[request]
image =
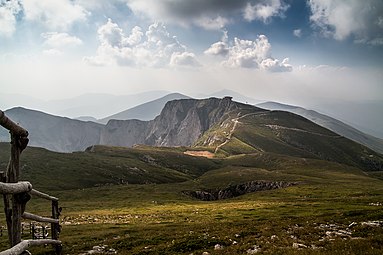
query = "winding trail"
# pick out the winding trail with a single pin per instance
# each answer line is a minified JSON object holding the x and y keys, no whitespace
{"x":235,"y":121}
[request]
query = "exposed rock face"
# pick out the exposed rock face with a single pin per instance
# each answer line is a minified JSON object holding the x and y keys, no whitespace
{"x":237,"y":190}
{"x":180,"y":123}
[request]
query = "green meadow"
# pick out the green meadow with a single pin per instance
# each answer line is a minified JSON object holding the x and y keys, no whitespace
{"x":334,"y":208}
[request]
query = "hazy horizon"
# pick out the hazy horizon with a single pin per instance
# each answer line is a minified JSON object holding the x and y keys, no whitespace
{"x":305,"y":53}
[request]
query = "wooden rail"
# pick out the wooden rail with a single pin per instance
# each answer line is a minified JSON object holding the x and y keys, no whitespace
{"x":16,"y":195}
{"x":25,"y":244}
{"x":43,"y":195}
{"x":15,"y":188}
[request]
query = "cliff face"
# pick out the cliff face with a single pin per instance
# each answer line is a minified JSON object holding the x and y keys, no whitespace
{"x":180,"y":123}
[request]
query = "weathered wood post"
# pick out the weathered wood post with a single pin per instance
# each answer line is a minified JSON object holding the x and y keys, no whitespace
{"x":14,"y":205}
{"x":55,"y":227}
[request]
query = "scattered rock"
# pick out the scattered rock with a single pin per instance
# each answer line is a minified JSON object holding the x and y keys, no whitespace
{"x":376,"y":223}
{"x":218,"y":247}
{"x":100,"y":249}
{"x":273,"y":237}
{"x":253,"y":250}
{"x":299,"y":246}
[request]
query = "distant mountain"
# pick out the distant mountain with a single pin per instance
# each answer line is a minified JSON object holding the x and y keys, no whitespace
{"x":146,"y":111}
{"x":221,"y":127}
{"x":84,"y":105}
{"x":53,"y":132}
{"x":365,"y":115}
{"x":329,"y":123}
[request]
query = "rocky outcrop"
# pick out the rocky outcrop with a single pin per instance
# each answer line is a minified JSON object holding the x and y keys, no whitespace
{"x":237,"y":190}
{"x":180,"y":123}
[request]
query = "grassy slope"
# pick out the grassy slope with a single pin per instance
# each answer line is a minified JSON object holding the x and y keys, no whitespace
{"x":104,"y":166}
{"x":289,"y":134}
{"x":157,"y":218}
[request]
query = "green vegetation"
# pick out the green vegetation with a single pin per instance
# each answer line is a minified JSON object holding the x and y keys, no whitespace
{"x":131,"y":200}
{"x":313,"y":217}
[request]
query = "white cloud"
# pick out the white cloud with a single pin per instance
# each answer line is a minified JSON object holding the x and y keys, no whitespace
{"x":249,"y":54}
{"x":8,"y":10}
{"x":297,"y":32}
{"x":343,"y":19}
{"x":265,"y":10}
{"x":274,"y":65}
{"x":218,"y":49}
{"x":183,"y":59}
{"x":55,"y":15}
{"x":156,"y":49}
{"x":60,"y":40}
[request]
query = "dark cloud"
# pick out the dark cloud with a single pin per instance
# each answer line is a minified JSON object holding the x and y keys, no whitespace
{"x":205,"y":13}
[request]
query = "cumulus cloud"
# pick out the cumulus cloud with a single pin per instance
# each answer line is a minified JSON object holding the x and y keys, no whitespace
{"x":8,"y":10}
{"x":361,"y":20}
{"x":208,"y":14}
{"x":55,"y":15}
{"x":264,"y":10}
{"x":154,"y":48}
{"x":183,"y":59}
{"x":249,"y":54}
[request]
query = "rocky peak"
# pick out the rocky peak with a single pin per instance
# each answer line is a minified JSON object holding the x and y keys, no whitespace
{"x":182,"y":122}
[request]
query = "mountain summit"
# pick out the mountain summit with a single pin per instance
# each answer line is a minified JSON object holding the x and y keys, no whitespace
{"x":221,"y":127}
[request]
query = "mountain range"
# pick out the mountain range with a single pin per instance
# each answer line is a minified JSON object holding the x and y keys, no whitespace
{"x":217,"y":127}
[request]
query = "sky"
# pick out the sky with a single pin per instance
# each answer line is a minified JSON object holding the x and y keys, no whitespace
{"x":292,"y":51}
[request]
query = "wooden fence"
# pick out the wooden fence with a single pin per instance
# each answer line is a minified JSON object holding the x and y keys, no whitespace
{"x":16,"y":195}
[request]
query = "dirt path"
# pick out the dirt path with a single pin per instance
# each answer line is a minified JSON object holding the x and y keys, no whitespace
{"x":276,"y":127}
{"x":235,"y":121}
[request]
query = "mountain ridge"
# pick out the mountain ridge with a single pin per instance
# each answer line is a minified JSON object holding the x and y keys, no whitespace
{"x":221,"y":126}
{"x":328,"y":122}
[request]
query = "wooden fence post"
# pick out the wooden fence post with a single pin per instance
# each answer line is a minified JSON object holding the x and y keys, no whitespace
{"x":55,"y":227}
